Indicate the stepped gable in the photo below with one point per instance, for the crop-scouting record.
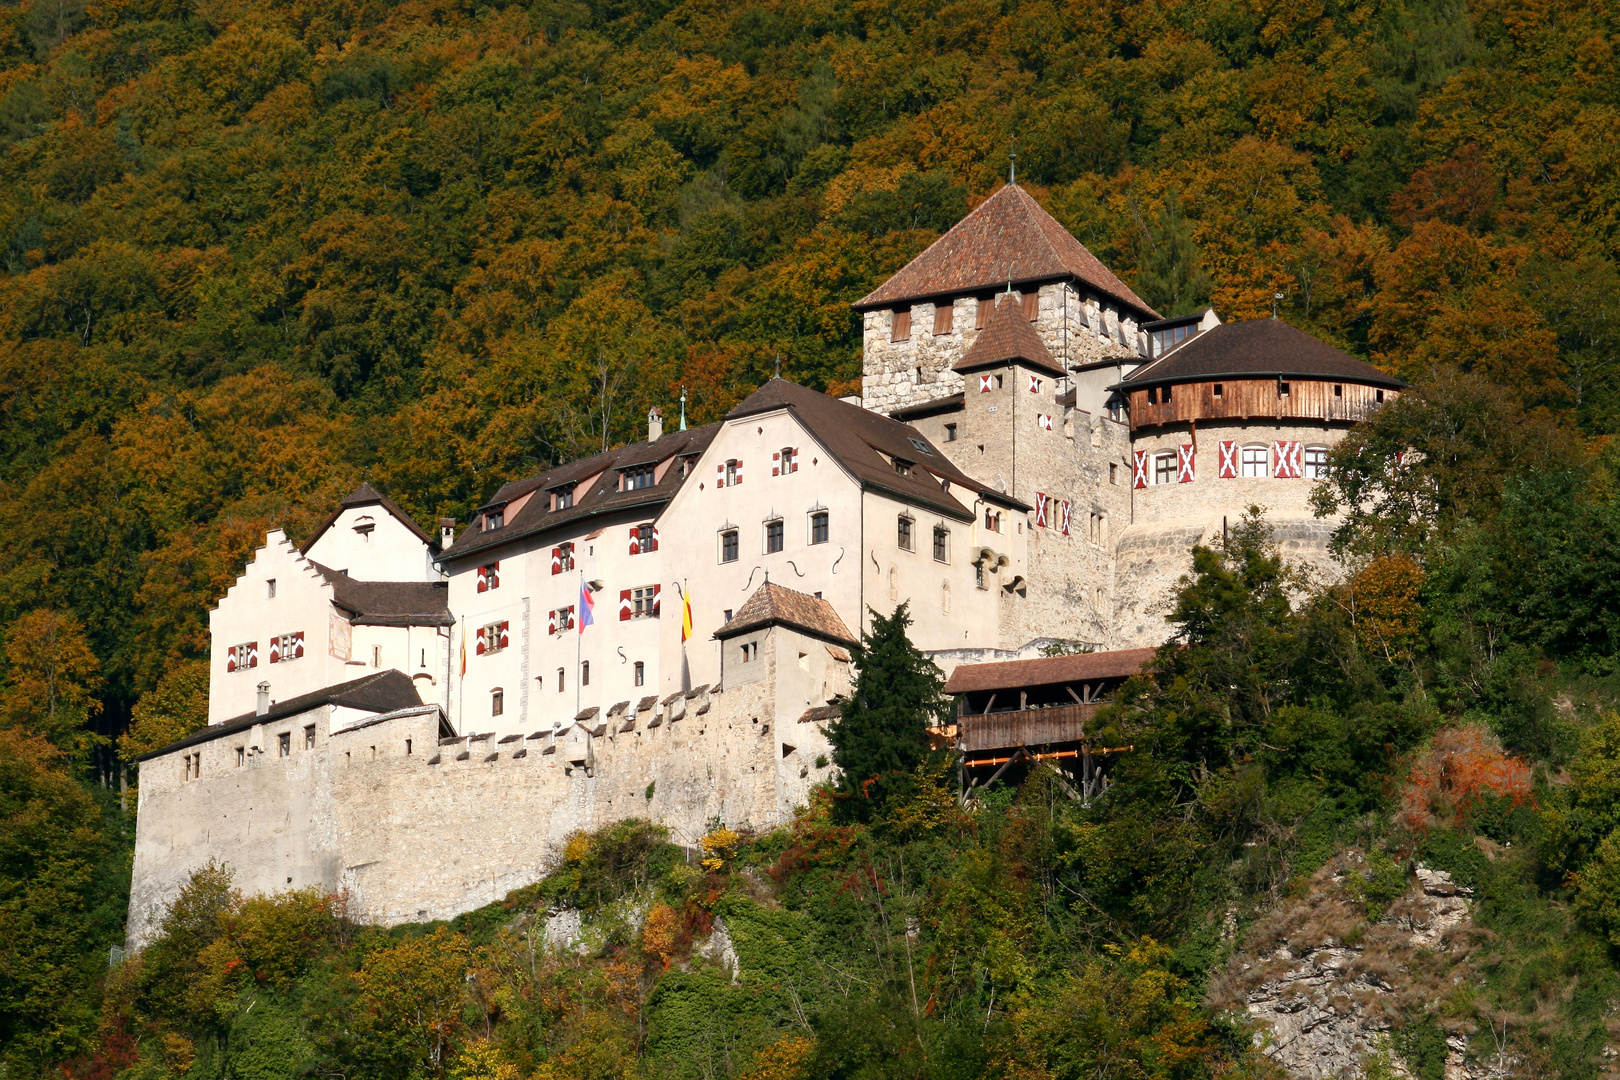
(379, 692)
(366, 495)
(773, 605)
(1008, 338)
(390, 603)
(1007, 236)
(602, 496)
(1259, 348)
(865, 443)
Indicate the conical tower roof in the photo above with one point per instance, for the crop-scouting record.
(1008, 236)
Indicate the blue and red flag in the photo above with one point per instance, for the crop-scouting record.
(587, 604)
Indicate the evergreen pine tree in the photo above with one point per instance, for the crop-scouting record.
(1170, 272)
(880, 738)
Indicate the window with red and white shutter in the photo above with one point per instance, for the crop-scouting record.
(1184, 463)
(1228, 469)
(1139, 468)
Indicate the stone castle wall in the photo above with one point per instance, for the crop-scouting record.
(415, 830)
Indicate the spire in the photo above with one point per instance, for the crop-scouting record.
(683, 408)
(1012, 162)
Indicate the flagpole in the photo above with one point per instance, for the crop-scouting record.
(579, 640)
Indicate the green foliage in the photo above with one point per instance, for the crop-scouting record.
(880, 737)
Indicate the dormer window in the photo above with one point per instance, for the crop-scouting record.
(563, 497)
(901, 466)
(639, 476)
(920, 446)
(494, 519)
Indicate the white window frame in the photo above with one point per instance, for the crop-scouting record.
(1254, 461)
(1164, 468)
(1315, 462)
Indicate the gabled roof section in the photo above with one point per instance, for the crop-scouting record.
(366, 495)
(379, 692)
(1259, 348)
(603, 497)
(1008, 338)
(1048, 670)
(773, 605)
(867, 444)
(390, 603)
(1007, 236)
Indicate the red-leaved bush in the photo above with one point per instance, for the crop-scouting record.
(1462, 769)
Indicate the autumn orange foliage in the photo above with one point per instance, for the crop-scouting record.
(1463, 767)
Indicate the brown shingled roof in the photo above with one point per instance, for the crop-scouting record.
(1048, 670)
(1259, 348)
(866, 443)
(1008, 235)
(390, 603)
(773, 605)
(602, 497)
(366, 495)
(1008, 338)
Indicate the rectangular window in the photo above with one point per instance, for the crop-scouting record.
(1316, 463)
(905, 535)
(1256, 461)
(495, 519)
(1032, 305)
(241, 756)
(978, 574)
(309, 737)
(559, 680)
(644, 602)
(270, 588)
(489, 577)
(728, 546)
(1219, 389)
(1113, 472)
(901, 466)
(950, 432)
(492, 638)
(284, 744)
(942, 544)
(407, 748)
(982, 308)
(818, 527)
(585, 673)
(900, 326)
(645, 539)
(733, 473)
(562, 498)
(992, 521)
(641, 673)
(376, 656)
(565, 557)
(1164, 469)
(773, 537)
(638, 477)
(497, 702)
(1282, 389)
(944, 318)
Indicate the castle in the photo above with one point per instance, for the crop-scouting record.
(663, 629)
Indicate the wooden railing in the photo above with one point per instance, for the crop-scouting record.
(1027, 727)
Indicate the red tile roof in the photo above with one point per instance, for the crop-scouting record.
(1008, 337)
(1048, 670)
(1006, 236)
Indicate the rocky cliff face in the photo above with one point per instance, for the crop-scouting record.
(1331, 976)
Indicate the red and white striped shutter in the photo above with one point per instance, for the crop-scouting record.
(1184, 463)
(1295, 455)
(483, 580)
(1065, 515)
(504, 639)
(624, 605)
(1286, 454)
(275, 650)
(230, 659)
(984, 384)
(793, 466)
(298, 645)
(571, 623)
(635, 540)
(1229, 466)
(776, 463)
(551, 621)
(1139, 469)
(495, 574)
(1040, 510)
(556, 561)
(253, 654)
(478, 646)
(655, 537)
(720, 480)
(657, 600)
(738, 478)
(1034, 385)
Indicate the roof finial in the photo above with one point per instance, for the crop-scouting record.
(1276, 296)
(1012, 162)
(683, 408)
(779, 363)
(1009, 279)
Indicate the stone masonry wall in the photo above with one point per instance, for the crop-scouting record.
(443, 829)
(1077, 329)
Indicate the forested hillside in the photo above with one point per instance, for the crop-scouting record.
(257, 251)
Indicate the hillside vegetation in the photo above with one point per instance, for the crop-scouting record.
(257, 251)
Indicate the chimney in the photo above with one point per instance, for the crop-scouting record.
(447, 533)
(655, 424)
(264, 698)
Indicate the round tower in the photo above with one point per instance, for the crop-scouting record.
(1242, 414)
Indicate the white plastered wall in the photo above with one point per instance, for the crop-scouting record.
(371, 544)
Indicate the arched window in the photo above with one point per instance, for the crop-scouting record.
(585, 673)
(497, 701)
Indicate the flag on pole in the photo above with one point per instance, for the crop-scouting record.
(586, 603)
(686, 615)
(464, 649)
